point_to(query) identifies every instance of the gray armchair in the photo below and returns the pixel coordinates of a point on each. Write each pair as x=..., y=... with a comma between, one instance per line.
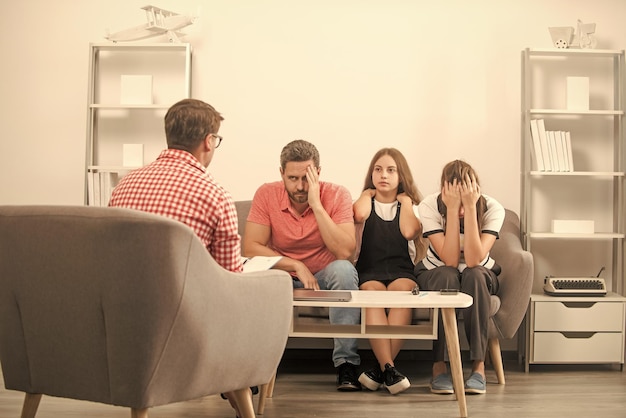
x=129, y=309
x=516, y=280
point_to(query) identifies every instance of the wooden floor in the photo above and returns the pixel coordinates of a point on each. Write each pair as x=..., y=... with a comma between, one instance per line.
x=306, y=388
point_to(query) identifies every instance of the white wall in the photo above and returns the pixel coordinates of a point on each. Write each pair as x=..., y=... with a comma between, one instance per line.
x=436, y=79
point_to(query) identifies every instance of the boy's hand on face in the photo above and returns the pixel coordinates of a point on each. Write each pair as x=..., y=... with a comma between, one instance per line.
x=470, y=191
x=451, y=196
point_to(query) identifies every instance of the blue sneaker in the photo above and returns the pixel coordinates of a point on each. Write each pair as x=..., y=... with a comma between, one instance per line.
x=442, y=384
x=475, y=384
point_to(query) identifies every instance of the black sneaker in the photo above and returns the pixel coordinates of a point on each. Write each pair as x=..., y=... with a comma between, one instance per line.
x=346, y=378
x=372, y=379
x=395, y=382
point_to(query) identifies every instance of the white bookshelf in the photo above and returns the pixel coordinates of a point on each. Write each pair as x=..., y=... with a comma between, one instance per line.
x=594, y=191
x=111, y=124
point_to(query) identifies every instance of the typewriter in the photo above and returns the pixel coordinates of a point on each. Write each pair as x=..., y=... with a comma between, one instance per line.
x=574, y=286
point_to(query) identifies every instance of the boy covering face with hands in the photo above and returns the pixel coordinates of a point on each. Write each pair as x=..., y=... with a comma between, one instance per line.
x=461, y=225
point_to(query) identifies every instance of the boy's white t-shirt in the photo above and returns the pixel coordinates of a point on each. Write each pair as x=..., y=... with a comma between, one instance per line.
x=433, y=222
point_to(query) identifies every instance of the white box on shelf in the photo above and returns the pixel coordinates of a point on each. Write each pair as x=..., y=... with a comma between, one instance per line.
x=578, y=93
x=132, y=155
x=136, y=89
x=565, y=226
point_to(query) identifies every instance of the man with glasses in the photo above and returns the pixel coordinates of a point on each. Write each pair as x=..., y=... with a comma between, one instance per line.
x=310, y=224
x=178, y=185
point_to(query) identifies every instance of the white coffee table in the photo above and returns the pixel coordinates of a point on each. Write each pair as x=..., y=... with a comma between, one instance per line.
x=384, y=299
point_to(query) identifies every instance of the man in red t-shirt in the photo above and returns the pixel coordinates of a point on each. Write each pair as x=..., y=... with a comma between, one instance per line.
x=310, y=224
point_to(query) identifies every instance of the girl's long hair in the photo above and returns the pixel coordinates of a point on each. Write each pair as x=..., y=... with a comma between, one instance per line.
x=406, y=184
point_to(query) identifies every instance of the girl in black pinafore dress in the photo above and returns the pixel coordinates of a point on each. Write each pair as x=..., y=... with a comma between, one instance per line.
x=387, y=209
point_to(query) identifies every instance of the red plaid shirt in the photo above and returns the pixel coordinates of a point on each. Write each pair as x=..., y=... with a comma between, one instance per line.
x=176, y=185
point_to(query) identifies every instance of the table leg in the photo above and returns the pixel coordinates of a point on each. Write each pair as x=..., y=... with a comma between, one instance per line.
x=454, y=354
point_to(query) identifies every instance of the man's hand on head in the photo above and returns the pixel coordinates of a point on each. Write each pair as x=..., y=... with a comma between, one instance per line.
x=312, y=177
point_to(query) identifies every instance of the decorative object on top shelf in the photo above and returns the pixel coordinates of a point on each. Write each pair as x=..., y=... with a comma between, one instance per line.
x=564, y=37
x=159, y=22
x=585, y=35
x=561, y=36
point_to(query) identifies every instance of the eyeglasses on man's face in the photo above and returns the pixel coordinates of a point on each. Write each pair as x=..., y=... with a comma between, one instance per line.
x=217, y=140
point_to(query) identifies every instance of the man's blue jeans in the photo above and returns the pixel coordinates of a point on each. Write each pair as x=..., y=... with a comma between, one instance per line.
x=341, y=275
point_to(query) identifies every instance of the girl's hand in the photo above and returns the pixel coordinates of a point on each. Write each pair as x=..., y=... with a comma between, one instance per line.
x=369, y=193
x=404, y=199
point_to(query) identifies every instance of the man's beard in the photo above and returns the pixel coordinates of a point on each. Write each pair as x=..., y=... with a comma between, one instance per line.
x=298, y=197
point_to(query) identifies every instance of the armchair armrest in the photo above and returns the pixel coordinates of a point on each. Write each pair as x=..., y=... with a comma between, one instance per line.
x=238, y=320
x=516, y=278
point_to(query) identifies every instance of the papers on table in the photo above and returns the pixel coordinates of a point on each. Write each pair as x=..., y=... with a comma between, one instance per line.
x=259, y=263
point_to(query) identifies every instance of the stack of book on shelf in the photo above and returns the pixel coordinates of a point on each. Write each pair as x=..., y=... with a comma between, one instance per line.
x=100, y=184
x=551, y=150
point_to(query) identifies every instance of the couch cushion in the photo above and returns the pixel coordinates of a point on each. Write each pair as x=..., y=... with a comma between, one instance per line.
x=243, y=208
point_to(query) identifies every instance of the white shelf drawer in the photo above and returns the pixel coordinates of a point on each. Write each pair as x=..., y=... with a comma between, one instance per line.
x=556, y=347
x=579, y=316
